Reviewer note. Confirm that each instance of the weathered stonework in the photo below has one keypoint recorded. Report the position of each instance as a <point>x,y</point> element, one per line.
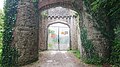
<point>26,29</point>
<point>99,42</point>
<point>26,36</point>
<point>46,4</point>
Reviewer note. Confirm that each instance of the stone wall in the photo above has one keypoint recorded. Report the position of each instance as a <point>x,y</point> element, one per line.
<point>99,42</point>
<point>47,4</point>
<point>26,33</point>
<point>43,3</point>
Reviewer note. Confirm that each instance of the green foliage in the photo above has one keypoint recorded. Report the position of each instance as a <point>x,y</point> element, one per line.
<point>9,53</point>
<point>107,20</point>
<point>35,1</point>
<point>1,27</point>
<point>115,54</point>
<point>91,56</point>
<point>111,12</point>
<point>44,14</point>
<point>76,53</point>
<point>1,32</point>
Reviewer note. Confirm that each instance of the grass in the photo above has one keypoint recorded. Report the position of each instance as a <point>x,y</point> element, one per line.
<point>76,53</point>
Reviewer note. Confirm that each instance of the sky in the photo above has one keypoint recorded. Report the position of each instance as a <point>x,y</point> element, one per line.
<point>1,4</point>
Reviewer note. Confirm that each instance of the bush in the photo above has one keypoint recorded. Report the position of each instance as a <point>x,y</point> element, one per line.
<point>1,32</point>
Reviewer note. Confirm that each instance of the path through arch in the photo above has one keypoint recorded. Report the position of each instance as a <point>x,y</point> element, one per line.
<point>58,59</point>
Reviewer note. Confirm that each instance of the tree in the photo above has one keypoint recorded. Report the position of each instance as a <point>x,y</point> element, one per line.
<point>9,53</point>
<point>1,31</point>
<point>1,27</point>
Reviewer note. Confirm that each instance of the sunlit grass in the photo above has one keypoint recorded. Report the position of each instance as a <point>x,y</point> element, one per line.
<point>76,53</point>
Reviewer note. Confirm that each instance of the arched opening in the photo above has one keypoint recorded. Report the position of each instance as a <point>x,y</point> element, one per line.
<point>59,16</point>
<point>26,29</point>
<point>58,37</point>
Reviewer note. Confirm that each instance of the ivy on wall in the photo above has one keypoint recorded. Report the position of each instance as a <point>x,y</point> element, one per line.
<point>107,20</point>
<point>105,14</point>
<point>115,52</point>
<point>9,53</point>
<point>91,56</point>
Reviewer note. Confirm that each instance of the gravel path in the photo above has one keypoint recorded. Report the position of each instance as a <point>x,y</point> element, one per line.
<point>57,59</point>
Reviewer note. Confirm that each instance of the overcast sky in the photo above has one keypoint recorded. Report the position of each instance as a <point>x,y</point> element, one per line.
<point>1,4</point>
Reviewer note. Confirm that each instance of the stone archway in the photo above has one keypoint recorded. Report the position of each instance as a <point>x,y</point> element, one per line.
<point>27,26</point>
<point>47,4</point>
